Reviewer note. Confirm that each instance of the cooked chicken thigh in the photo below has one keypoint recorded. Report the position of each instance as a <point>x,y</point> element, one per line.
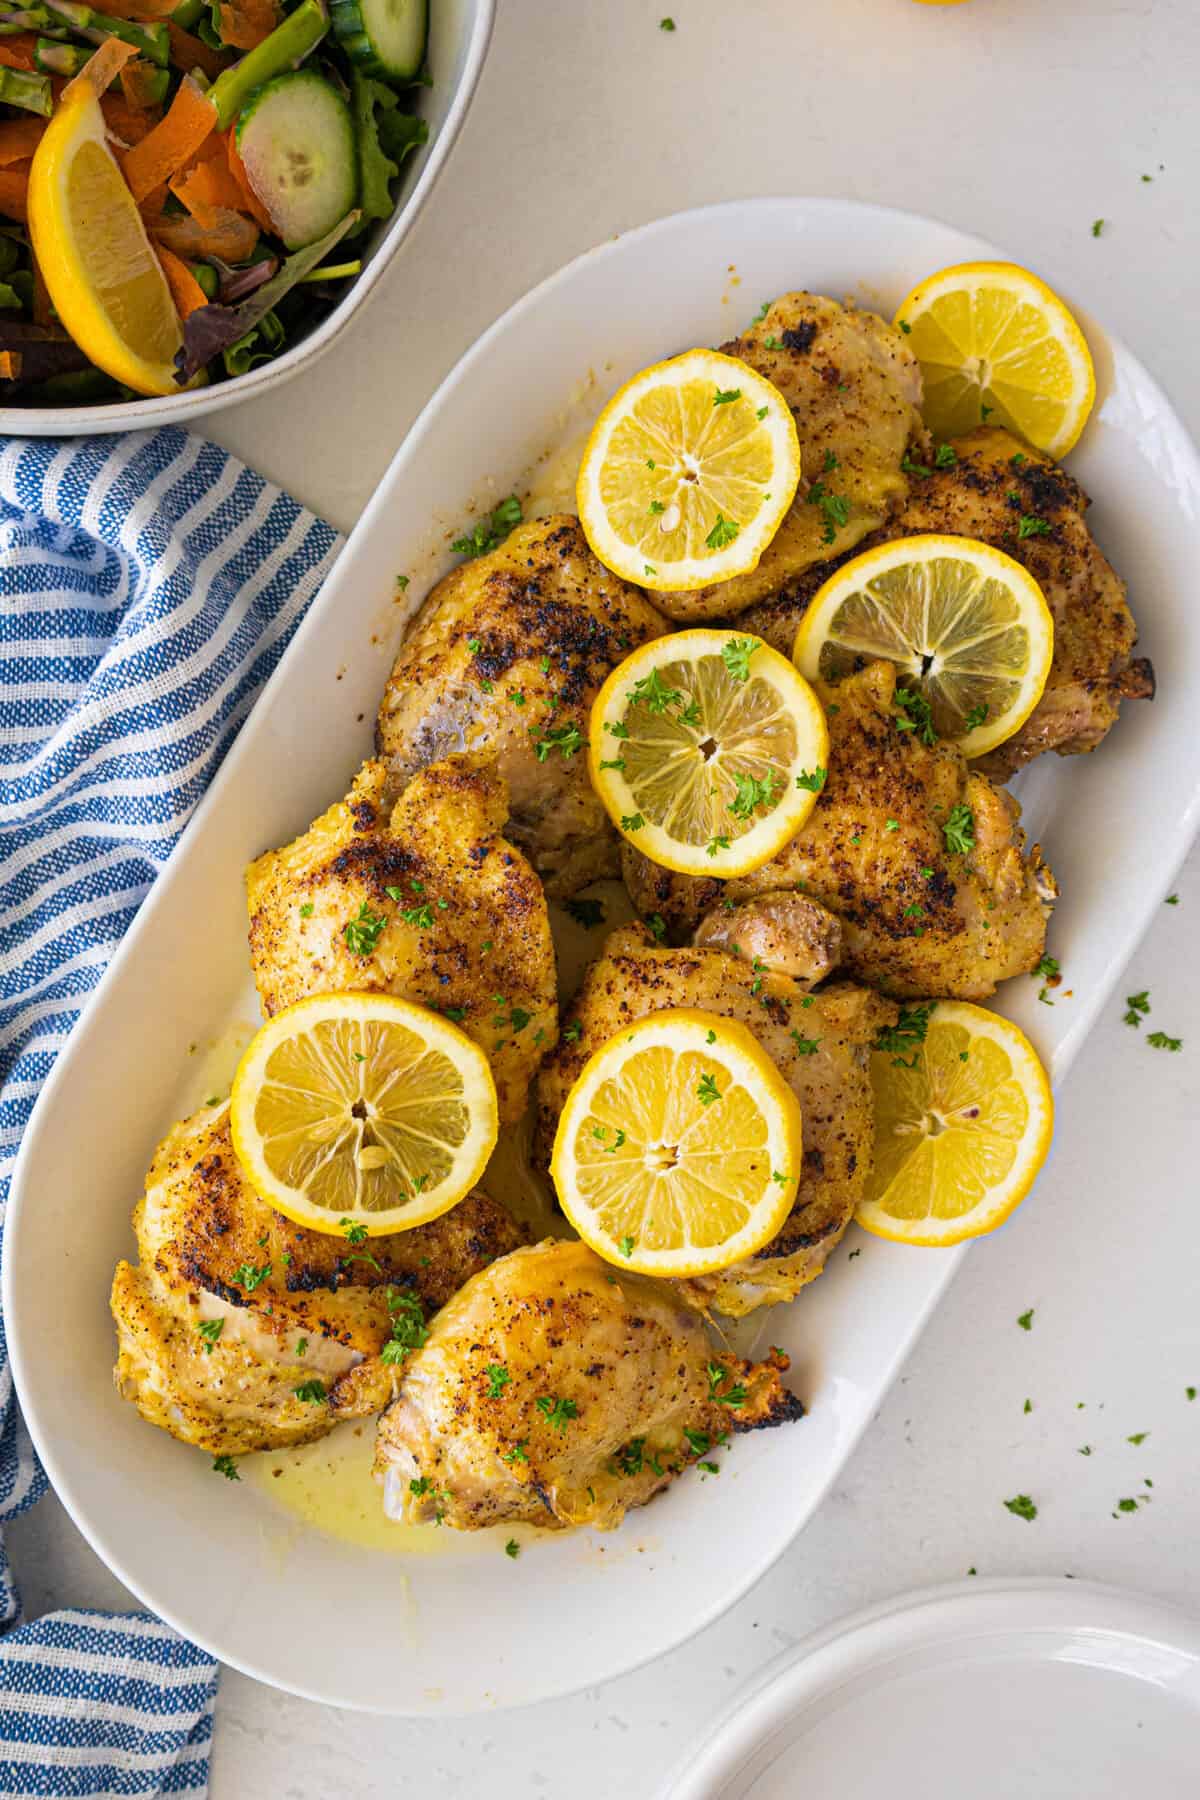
<point>918,915</point>
<point>557,1390</point>
<point>819,1041</point>
<point>854,388</point>
<point>240,1331</point>
<point>426,900</point>
<point>996,483</point>
<point>505,657</point>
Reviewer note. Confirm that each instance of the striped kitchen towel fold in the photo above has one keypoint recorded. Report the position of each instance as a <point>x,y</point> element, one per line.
<point>148,586</point>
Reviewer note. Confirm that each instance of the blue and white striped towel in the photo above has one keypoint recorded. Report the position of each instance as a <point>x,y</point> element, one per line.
<point>148,586</point>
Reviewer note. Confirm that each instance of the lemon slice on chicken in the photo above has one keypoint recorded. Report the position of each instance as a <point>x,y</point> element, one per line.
<point>963,1122</point>
<point>688,472</point>
<point>679,1148</point>
<point>362,1110</point>
<point>997,346</point>
<point>966,625</point>
<point>708,751</point>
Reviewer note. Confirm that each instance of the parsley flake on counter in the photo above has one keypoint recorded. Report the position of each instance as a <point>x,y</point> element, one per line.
<point>1022,1506</point>
<point>1028,1406</point>
<point>708,1091</point>
<point>1158,1040</point>
<point>210,1330</point>
<point>498,1379</point>
<point>512,1548</point>
<point>489,533</point>
<point>736,656</point>
<point>1138,1437</point>
<point>1136,1007</point>
<point>812,781</point>
<point>1098,226</point>
<point>558,1413</point>
<point>1126,1506</point>
<point>225,1465</point>
<point>1171,900</point>
<point>313,1391</point>
<point>363,932</point>
<point>1026,1320</point>
<point>1190,1392</point>
<point>724,531</point>
<point>666,24</point>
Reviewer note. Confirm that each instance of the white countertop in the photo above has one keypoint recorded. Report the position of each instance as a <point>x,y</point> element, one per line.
<point>1023,121</point>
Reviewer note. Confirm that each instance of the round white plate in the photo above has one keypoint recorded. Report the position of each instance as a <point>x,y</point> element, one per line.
<point>990,1690</point>
<point>468,1629</point>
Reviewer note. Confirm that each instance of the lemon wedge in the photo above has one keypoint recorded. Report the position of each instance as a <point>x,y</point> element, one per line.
<point>688,472</point>
<point>967,625</point>
<point>362,1109</point>
<point>104,280</point>
<point>997,346</point>
<point>708,751</point>
<point>963,1123</point>
<point>679,1148</point>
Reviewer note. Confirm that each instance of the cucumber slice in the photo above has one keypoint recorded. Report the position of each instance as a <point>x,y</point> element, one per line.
<point>384,37</point>
<point>295,136</point>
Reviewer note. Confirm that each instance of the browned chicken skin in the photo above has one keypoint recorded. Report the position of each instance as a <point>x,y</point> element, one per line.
<point>282,1306</point>
<point>466,930</point>
<point>854,388</point>
<point>557,1390</point>
<point>505,658</point>
<point>819,1042</point>
<point>985,495</point>
<point>917,919</point>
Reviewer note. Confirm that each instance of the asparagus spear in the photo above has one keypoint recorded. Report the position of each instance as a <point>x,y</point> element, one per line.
<point>149,40</point>
<point>189,12</point>
<point>30,92</point>
<point>287,46</point>
<point>54,58</point>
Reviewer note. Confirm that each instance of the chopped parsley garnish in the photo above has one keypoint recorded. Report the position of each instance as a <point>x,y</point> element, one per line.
<point>891,825</point>
<point>1046,970</point>
<point>736,656</point>
<point>498,1379</point>
<point>812,781</point>
<point>1158,1040</point>
<point>565,738</point>
<point>975,717</point>
<point>353,1233</point>
<point>313,1391</point>
<point>724,531</point>
<point>656,506</point>
<point>1136,1006</point>
<point>573,1032</point>
<point>1025,1321</point>
<point>1031,526</point>
<point>835,509</point>
<point>752,792</point>
<point>959,830</point>
<point>657,926</point>
<point>301,1346</point>
<point>611,1149</point>
<point>805,1046</point>
<point>905,327</point>
<point>708,1091</point>
<point>1023,1506</point>
<point>306,911</point>
<point>916,714</point>
<point>558,1413</point>
<point>907,1034</point>
<point>700,1441</point>
<point>761,314</point>
<point>420,916</point>
<point>913,911</point>
<point>734,1396</point>
<point>489,532</point>
<point>210,1330</point>
<point>363,933</point>
<point>946,457</point>
<point>474,646</point>
<point>725,395</point>
<point>716,843</point>
<point>225,1465</point>
<point>420,1484</point>
<point>516,1454</point>
<point>652,693</point>
<point>512,1548</point>
<point>632,821</point>
<point>248,1276</point>
<point>587,912</point>
<point>915,468</point>
<point>409,1330</point>
<point>710,1037</point>
<point>627,1246</point>
<point>779,1176</point>
<point>710,1468</point>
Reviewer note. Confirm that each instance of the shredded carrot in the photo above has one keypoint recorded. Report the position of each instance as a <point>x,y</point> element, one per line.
<point>19,138</point>
<point>186,291</point>
<point>245,23</point>
<point>188,52</point>
<point>209,186</point>
<point>231,237</point>
<point>173,142</point>
<point>14,190</point>
<point>102,67</point>
<point>17,52</point>
<point>250,201</point>
<point>126,122</point>
<point>10,365</point>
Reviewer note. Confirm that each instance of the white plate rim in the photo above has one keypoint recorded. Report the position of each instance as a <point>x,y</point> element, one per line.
<point>875,1636</point>
<point>1184,831</point>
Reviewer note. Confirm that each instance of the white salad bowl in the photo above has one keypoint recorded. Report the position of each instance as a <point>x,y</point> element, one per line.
<point>459,33</point>
<point>468,1629</point>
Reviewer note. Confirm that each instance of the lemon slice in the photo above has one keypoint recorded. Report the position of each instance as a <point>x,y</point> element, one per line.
<point>688,472</point>
<point>365,1109</point>
<point>679,1148</point>
<point>967,625</point>
<point>708,751</point>
<point>963,1123</point>
<point>104,280</point>
<point>997,346</point>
